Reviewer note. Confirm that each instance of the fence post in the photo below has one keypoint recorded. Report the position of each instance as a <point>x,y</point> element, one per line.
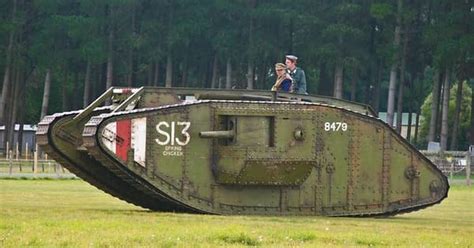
<point>470,155</point>
<point>45,157</point>
<point>451,170</point>
<point>7,148</point>
<point>17,156</point>
<point>56,169</point>
<point>10,162</point>
<point>17,153</point>
<point>35,160</point>
<point>26,153</point>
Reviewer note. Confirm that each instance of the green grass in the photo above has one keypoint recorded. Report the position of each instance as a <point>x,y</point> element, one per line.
<point>70,213</point>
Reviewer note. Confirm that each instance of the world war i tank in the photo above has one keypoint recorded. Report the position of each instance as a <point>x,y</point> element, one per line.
<point>242,152</point>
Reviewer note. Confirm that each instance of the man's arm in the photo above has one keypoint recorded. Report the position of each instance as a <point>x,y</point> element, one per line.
<point>302,83</point>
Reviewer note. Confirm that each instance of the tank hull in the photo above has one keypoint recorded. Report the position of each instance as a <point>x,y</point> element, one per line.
<point>254,157</point>
<point>284,159</point>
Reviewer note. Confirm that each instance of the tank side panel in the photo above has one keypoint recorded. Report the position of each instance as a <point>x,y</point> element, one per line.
<point>285,128</point>
<point>303,197</point>
<point>369,149</point>
<point>400,186</point>
<point>160,97</point>
<point>247,196</point>
<point>164,135</point>
<point>198,154</point>
<point>426,177</point>
<point>334,160</point>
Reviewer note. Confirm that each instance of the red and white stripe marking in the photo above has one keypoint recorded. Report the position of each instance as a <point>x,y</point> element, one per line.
<point>123,135</point>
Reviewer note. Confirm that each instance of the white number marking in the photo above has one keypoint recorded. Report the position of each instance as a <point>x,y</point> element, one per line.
<point>335,126</point>
<point>168,133</point>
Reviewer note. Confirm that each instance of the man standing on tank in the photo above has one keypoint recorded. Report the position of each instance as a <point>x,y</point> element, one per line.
<point>299,78</point>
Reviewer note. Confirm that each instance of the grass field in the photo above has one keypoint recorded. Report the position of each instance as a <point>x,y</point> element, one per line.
<point>70,213</point>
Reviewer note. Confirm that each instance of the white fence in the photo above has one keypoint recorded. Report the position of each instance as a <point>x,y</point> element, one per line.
<point>454,164</point>
<point>14,164</point>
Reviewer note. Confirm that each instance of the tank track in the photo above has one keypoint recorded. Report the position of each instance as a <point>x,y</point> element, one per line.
<point>91,137</point>
<point>107,182</point>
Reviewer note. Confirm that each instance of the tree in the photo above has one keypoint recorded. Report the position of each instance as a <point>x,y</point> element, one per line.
<point>394,67</point>
<point>434,106</point>
<point>464,117</point>
<point>457,112</point>
<point>215,43</point>
<point>8,63</point>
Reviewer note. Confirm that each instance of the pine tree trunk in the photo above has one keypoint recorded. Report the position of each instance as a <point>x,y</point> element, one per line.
<point>130,68</point>
<point>261,73</point>
<point>250,62</point>
<point>5,89</point>
<point>221,83</point>
<point>14,109</point>
<point>205,76</point>
<point>440,109</point>
<point>97,84</point>
<point>250,74</point>
<point>131,50</point>
<point>391,94</point>
<point>401,85</point>
<point>64,91</point>
<point>99,87</point>
<point>169,71</point>
<point>338,80</point>
<point>471,131</point>
<point>434,106</point>
<point>184,73</point>
<point>408,137</point>
<point>215,75</point>
<point>87,85</point>
<point>8,63</point>
<point>399,118</point>
<point>410,104</point>
<point>21,114</point>
<point>354,83</point>
<point>110,60</point>
<point>457,112</point>
<point>47,86</point>
<point>156,77</point>
<point>149,81</point>
<point>324,87</point>
<point>444,118</point>
<point>20,133</point>
<point>228,75</point>
<point>75,88</point>
<point>393,70</point>
<point>376,95</point>
<point>417,125</point>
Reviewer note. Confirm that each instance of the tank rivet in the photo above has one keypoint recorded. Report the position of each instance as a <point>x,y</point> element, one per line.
<point>298,134</point>
<point>435,186</point>
<point>411,173</point>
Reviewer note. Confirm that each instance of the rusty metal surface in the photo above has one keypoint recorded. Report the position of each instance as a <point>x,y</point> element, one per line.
<point>329,168</point>
<point>279,171</point>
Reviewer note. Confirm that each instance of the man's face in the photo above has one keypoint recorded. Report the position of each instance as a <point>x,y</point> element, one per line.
<point>290,64</point>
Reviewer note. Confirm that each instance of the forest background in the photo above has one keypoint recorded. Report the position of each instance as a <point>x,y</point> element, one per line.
<point>397,56</point>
